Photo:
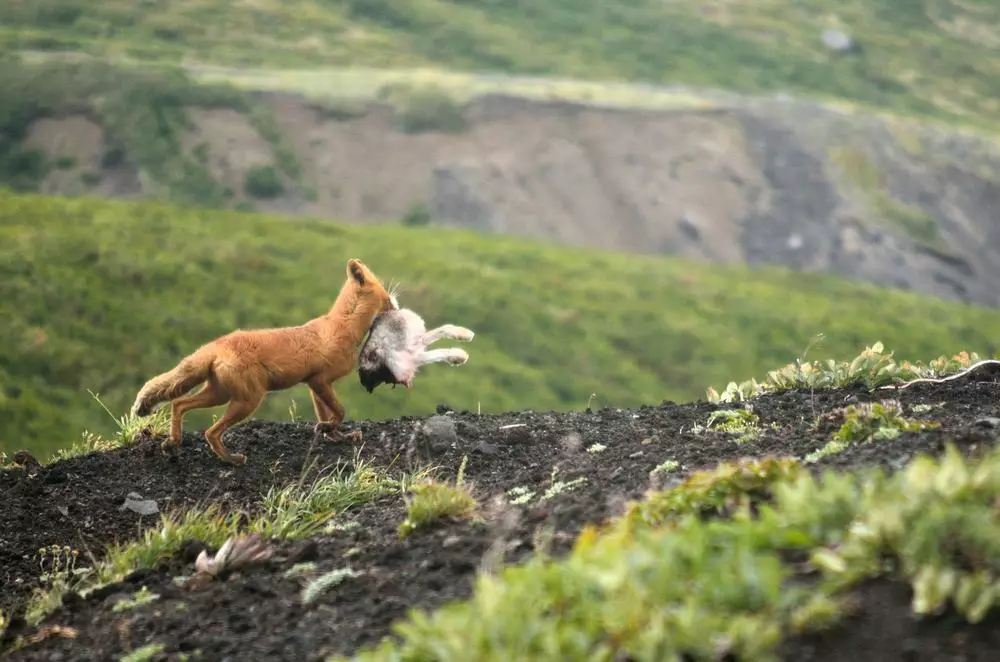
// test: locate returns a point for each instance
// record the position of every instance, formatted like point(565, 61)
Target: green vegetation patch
point(863, 172)
point(873, 368)
point(427, 107)
point(300, 510)
point(143, 112)
point(718, 587)
point(867, 422)
point(741, 422)
point(102, 295)
point(906, 56)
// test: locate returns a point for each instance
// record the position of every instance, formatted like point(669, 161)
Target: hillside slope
point(918, 56)
point(101, 295)
point(719, 178)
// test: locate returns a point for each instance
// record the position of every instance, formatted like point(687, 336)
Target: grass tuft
point(434, 500)
point(208, 524)
point(303, 509)
point(128, 427)
point(299, 510)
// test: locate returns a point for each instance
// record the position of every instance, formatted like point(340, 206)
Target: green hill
point(914, 56)
point(101, 295)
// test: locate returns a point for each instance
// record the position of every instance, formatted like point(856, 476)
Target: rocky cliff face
point(752, 181)
point(897, 205)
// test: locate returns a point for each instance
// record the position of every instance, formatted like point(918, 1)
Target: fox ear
point(356, 271)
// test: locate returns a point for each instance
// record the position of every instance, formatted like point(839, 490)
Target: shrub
point(417, 215)
point(263, 182)
point(428, 108)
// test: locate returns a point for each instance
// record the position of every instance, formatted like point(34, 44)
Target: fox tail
point(191, 371)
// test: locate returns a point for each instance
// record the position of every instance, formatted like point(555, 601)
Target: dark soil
point(260, 614)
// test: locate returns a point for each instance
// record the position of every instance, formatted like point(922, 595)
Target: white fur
point(407, 360)
point(404, 353)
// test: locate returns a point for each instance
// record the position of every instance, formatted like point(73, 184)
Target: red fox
point(397, 346)
point(241, 367)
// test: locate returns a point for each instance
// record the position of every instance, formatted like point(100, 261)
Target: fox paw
point(464, 335)
point(169, 446)
point(330, 431)
point(324, 428)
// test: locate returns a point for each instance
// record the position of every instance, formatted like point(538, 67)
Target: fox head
point(371, 294)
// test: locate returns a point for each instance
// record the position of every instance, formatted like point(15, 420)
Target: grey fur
point(396, 347)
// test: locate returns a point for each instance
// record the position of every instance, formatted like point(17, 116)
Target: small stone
point(988, 422)
point(572, 442)
point(439, 431)
point(137, 504)
point(486, 448)
point(837, 40)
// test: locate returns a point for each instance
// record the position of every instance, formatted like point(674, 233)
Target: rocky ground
point(259, 614)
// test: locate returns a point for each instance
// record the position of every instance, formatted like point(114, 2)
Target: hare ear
point(356, 270)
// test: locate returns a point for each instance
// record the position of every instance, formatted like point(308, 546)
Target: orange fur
point(241, 367)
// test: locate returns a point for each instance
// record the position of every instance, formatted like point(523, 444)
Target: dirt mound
point(261, 614)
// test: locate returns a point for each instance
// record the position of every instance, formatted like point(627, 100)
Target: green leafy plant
point(327, 580)
point(683, 586)
point(742, 422)
point(935, 524)
point(868, 422)
point(728, 488)
point(873, 368)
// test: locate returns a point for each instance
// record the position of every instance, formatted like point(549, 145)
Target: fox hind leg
point(210, 395)
point(238, 410)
